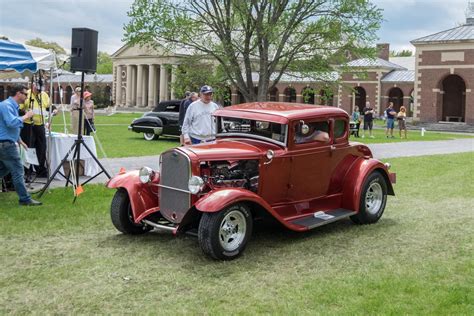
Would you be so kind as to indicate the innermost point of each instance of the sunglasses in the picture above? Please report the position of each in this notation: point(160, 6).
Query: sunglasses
point(24, 93)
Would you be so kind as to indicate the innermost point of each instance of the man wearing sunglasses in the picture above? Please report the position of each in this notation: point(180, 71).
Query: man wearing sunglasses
point(10, 125)
point(199, 125)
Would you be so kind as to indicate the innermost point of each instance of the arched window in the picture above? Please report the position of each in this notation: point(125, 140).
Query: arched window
point(308, 95)
point(454, 99)
point(290, 94)
point(395, 95)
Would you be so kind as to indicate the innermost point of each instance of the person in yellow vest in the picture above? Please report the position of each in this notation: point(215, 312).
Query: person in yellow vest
point(33, 132)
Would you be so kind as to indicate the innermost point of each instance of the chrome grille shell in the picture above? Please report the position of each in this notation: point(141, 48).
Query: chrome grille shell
point(175, 198)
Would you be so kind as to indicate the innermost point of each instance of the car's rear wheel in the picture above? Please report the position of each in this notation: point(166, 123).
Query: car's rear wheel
point(122, 216)
point(372, 199)
point(150, 136)
point(224, 235)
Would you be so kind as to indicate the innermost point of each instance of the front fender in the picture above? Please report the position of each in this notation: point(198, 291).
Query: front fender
point(355, 177)
point(142, 196)
point(219, 199)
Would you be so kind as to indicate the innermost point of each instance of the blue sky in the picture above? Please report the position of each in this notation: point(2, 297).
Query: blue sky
point(52, 20)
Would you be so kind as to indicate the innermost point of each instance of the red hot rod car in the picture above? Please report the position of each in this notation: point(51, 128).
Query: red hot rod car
point(293, 162)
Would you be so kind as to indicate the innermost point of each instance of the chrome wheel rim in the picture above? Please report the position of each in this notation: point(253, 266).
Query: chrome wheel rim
point(232, 231)
point(374, 198)
point(148, 136)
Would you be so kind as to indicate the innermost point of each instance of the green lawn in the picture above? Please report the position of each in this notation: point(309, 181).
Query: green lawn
point(118, 141)
point(418, 259)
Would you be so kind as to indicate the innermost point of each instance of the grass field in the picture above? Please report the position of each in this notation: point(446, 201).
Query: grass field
point(117, 141)
point(418, 259)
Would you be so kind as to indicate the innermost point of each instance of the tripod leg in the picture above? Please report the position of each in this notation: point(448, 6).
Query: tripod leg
point(96, 160)
point(68, 179)
point(51, 177)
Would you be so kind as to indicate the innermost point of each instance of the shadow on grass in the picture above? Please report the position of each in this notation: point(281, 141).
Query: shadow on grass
point(269, 239)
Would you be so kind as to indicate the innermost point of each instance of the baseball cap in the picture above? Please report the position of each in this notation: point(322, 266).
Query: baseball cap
point(206, 89)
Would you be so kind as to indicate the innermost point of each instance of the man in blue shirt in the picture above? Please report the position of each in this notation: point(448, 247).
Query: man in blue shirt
point(10, 125)
point(390, 113)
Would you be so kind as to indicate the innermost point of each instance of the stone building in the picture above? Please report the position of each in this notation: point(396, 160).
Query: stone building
point(445, 74)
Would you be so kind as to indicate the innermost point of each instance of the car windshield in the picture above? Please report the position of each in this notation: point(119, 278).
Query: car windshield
point(231, 126)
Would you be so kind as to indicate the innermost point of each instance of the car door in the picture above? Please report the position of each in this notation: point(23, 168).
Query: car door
point(311, 165)
point(170, 116)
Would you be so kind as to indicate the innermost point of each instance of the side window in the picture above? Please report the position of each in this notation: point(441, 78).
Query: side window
point(316, 132)
point(339, 128)
point(172, 108)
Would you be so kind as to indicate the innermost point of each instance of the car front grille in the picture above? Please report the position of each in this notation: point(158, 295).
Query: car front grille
point(175, 198)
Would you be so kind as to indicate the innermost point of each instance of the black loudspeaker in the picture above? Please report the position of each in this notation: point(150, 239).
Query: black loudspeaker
point(84, 50)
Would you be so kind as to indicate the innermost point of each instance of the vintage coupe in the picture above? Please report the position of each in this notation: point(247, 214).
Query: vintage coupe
point(266, 160)
point(163, 120)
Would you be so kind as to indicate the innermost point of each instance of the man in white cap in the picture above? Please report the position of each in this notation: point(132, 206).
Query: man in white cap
point(199, 125)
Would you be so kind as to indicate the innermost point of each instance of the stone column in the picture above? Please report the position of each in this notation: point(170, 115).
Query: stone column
point(163, 83)
point(151, 85)
point(134, 86)
point(299, 98)
point(118, 86)
point(173, 79)
point(129, 92)
point(139, 99)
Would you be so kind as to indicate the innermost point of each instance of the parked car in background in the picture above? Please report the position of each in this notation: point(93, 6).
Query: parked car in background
point(293, 162)
point(162, 121)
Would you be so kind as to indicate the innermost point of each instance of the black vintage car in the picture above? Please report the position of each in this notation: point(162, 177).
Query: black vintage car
point(163, 120)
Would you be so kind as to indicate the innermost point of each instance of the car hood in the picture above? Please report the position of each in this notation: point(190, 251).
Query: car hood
point(230, 149)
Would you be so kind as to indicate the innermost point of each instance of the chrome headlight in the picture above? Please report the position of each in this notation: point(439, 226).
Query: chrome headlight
point(195, 184)
point(388, 165)
point(145, 174)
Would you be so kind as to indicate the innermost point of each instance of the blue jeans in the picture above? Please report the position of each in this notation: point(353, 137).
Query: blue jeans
point(198, 141)
point(10, 163)
point(390, 123)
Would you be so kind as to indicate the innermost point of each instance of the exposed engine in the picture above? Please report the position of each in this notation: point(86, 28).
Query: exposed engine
point(241, 174)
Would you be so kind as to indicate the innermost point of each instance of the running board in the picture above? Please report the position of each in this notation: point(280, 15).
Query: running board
point(321, 218)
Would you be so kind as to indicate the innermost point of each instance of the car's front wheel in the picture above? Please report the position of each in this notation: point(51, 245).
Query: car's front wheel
point(224, 235)
point(372, 199)
point(122, 216)
point(150, 136)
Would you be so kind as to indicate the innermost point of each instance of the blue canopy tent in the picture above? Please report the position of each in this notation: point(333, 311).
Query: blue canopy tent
point(18, 60)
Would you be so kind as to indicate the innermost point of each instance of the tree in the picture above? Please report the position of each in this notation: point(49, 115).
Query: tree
point(269, 37)
point(194, 72)
point(104, 63)
point(38, 42)
point(402, 53)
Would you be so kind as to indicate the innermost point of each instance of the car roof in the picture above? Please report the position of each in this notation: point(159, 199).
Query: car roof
point(280, 112)
point(164, 104)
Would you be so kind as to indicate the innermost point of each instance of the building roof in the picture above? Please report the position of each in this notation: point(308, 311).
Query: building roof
point(458, 34)
point(374, 63)
point(400, 76)
point(300, 77)
point(87, 78)
point(405, 62)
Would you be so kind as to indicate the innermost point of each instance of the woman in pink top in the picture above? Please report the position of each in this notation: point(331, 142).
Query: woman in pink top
point(88, 107)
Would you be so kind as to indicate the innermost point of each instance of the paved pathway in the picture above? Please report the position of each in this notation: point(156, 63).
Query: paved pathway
point(380, 151)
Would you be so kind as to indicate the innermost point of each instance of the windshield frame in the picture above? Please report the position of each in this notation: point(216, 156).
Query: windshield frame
point(220, 119)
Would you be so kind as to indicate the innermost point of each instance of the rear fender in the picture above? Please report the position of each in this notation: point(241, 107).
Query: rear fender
point(143, 196)
point(355, 177)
